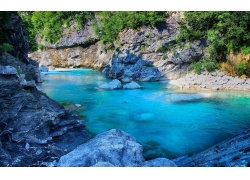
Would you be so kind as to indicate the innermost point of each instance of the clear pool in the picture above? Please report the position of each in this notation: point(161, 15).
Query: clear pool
point(164, 127)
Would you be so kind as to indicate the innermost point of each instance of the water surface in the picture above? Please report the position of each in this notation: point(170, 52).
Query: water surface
point(165, 128)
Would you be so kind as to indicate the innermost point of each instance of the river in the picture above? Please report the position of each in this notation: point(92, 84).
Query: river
point(168, 122)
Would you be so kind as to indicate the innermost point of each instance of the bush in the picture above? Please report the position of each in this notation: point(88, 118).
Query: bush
point(111, 23)
point(196, 67)
point(6, 47)
point(242, 68)
point(41, 47)
point(164, 56)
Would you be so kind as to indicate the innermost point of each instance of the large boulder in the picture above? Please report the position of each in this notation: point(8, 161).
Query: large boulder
point(159, 162)
point(132, 85)
point(115, 147)
point(114, 84)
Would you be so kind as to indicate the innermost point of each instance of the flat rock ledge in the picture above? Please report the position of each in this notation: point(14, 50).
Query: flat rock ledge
point(233, 152)
point(113, 148)
point(212, 81)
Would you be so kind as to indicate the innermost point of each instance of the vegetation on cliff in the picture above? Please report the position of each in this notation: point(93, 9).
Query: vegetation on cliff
point(226, 31)
point(111, 23)
point(4, 30)
point(50, 25)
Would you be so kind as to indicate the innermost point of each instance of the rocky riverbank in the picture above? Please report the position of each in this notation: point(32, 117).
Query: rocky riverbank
point(212, 81)
point(37, 131)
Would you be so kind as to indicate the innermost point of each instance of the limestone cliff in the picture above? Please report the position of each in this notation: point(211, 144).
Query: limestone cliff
point(136, 54)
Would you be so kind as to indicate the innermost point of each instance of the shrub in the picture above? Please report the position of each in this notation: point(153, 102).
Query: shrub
point(242, 68)
point(196, 67)
point(164, 56)
point(6, 47)
point(41, 47)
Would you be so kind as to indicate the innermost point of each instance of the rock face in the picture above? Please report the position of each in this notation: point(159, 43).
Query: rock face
point(139, 58)
point(114, 84)
point(108, 149)
point(83, 36)
point(233, 152)
point(73, 57)
point(34, 130)
point(28, 116)
point(213, 81)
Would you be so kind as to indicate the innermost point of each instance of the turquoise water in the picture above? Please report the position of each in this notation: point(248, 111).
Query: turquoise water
point(164, 128)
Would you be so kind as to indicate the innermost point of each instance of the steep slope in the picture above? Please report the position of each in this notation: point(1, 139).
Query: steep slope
point(33, 128)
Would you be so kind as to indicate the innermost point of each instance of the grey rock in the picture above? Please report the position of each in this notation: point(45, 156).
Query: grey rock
point(132, 85)
point(126, 80)
point(7, 70)
point(73, 38)
point(27, 146)
point(114, 84)
point(44, 69)
point(103, 164)
point(215, 88)
point(230, 153)
point(114, 146)
point(221, 74)
point(159, 162)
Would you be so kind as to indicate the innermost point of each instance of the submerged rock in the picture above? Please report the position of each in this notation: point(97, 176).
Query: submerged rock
point(145, 117)
point(115, 147)
point(114, 84)
point(132, 85)
point(187, 97)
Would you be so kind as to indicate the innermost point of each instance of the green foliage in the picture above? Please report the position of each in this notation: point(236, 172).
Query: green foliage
point(204, 64)
point(164, 56)
point(166, 48)
point(111, 23)
point(6, 47)
point(41, 47)
point(209, 64)
point(49, 25)
point(4, 25)
point(19, 71)
point(242, 68)
point(225, 30)
point(196, 67)
point(26, 17)
point(245, 50)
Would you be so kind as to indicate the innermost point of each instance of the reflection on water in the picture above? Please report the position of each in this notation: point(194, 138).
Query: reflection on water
point(164, 128)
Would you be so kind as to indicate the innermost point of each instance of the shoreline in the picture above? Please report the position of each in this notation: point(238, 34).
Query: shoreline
point(212, 82)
